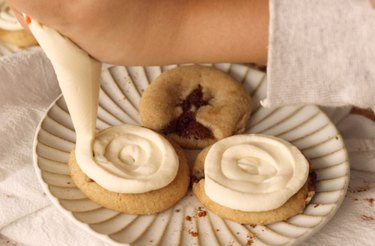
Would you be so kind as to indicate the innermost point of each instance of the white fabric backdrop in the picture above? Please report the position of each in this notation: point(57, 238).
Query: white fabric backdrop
point(27, 217)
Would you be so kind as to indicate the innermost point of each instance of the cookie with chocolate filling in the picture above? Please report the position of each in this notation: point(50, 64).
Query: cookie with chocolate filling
point(140, 203)
point(195, 106)
point(293, 206)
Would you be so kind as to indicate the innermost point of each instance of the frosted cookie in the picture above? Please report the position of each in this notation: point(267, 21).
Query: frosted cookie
point(195, 106)
point(127, 168)
point(137, 159)
point(253, 179)
point(11, 30)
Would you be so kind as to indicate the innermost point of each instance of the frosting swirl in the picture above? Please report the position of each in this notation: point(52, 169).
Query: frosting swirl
point(131, 159)
point(254, 172)
point(127, 159)
point(8, 20)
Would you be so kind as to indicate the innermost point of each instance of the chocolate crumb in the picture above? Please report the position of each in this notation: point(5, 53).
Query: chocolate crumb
point(68, 183)
point(217, 229)
point(194, 233)
point(359, 189)
point(249, 242)
point(249, 239)
point(363, 188)
point(177, 210)
point(237, 233)
point(188, 218)
point(370, 201)
point(151, 241)
point(253, 225)
point(316, 205)
point(201, 212)
point(367, 218)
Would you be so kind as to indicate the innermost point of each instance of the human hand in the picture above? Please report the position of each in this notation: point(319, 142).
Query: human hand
point(158, 32)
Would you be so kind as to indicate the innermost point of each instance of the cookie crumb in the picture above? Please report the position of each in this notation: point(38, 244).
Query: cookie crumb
point(359, 189)
point(177, 210)
point(367, 218)
point(370, 201)
point(249, 238)
point(194, 233)
point(201, 212)
point(316, 205)
point(188, 218)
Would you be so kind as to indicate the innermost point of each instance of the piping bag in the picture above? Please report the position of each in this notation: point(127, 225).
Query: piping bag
point(78, 75)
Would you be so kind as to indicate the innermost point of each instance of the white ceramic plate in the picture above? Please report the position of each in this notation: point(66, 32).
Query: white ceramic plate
point(305, 126)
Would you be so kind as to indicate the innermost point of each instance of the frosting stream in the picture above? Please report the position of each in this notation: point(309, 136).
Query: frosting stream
point(254, 172)
point(124, 159)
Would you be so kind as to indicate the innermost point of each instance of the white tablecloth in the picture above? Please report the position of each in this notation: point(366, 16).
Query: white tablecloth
point(27, 217)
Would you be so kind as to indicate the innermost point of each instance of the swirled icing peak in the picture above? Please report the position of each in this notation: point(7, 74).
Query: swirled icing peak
point(254, 172)
point(133, 159)
point(8, 20)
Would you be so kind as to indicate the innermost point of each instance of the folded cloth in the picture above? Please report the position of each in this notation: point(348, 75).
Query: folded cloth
point(27, 217)
point(321, 52)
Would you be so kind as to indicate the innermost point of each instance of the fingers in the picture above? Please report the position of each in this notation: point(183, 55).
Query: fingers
point(45, 11)
point(21, 19)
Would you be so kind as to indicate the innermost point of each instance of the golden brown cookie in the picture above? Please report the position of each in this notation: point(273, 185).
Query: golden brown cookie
point(20, 38)
point(293, 206)
point(195, 106)
point(144, 203)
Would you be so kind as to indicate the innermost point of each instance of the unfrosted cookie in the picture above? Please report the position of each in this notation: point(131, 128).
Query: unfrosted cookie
point(143, 203)
point(11, 31)
point(294, 205)
point(195, 106)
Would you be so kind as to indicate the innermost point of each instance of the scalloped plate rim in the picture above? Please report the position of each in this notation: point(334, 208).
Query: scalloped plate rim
point(105, 238)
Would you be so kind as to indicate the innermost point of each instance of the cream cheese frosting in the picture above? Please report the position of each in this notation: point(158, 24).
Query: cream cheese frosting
point(254, 172)
point(123, 159)
point(8, 20)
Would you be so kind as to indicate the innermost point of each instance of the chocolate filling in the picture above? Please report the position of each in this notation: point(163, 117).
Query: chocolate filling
point(186, 125)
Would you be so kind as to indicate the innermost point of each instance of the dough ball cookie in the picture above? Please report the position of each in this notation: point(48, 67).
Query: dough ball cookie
point(293, 206)
point(195, 106)
point(143, 203)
